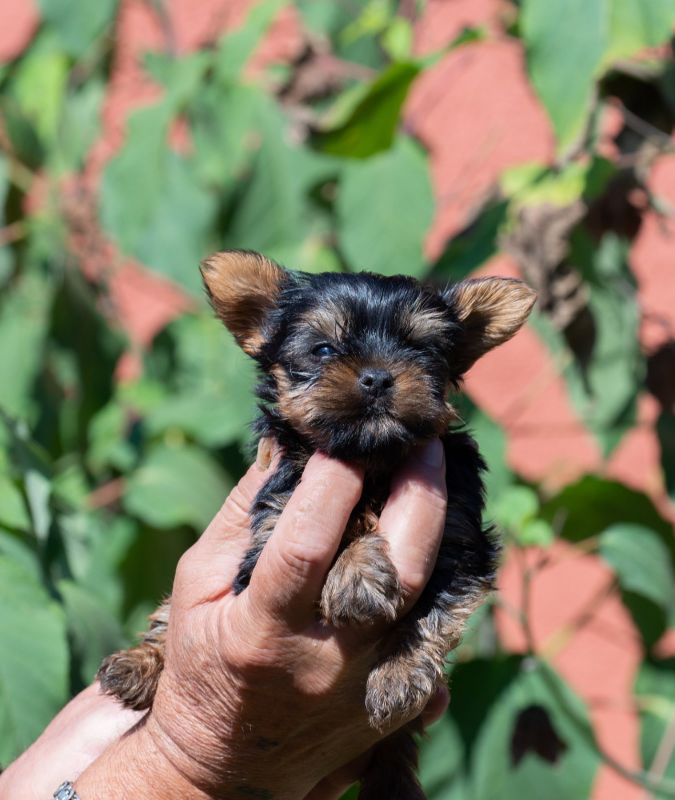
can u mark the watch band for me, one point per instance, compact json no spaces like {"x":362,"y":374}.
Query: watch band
{"x":66,"y":791}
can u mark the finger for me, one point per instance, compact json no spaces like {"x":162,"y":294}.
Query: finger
{"x":206,"y":571}
{"x":336,"y":784}
{"x":75,"y":738}
{"x":288,"y":577}
{"x":413,"y":518}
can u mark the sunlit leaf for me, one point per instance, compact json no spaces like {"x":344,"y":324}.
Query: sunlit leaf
{"x":371,"y":125}
{"x":78,"y":22}
{"x":635,"y":25}
{"x":39,"y":87}
{"x":640,"y":560}
{"x":565,"y":41}
{"x":385,"y":207}
{"x":237,"y":47}
{"x":655,"y":693}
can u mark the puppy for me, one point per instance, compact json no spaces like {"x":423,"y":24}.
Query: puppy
{"x":360,"y":366}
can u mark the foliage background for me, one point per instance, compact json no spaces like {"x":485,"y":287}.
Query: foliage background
{"x":314,"y":131}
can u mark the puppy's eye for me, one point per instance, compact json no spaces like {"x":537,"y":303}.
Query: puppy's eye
{"x":324,"y":350}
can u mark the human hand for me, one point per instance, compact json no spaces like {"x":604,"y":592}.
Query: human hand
{"x":75,"y":738}
{"x":258,"y":699}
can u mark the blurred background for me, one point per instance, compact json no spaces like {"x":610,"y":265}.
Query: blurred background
{"x":438,"y":139}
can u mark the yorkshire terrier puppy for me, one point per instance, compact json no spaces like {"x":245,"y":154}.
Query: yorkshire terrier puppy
{"x":360,"y":366}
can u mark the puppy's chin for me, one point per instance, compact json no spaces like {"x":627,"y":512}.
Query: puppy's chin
{"x":376,"y":440}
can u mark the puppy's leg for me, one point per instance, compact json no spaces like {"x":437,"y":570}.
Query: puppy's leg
{"x":406,"y":677}
{"x":391,"y":773}
{"x":132,"y":675}
{"x":362,"y":586}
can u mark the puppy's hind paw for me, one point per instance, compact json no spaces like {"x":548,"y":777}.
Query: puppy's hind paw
{"x":132,"y":675}
{"x":396,"y":689}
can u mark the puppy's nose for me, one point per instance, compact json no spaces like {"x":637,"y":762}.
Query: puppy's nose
{"x":375,"y":382}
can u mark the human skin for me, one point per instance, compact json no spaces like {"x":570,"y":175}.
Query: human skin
{"x":258,"y":699}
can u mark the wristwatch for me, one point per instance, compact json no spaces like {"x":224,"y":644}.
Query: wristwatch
{"x":66,"y":791}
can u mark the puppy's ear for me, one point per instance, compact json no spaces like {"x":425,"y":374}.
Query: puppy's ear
{"x":243,"y":287}
{"x":490,"y":311}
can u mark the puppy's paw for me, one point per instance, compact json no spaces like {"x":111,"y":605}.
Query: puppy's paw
{"x":132,"y":675}
{"x":399,"y":687}
{"x":362,"y":587}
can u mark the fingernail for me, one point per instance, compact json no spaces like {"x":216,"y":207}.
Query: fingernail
{"x":432,"y":454}
{"x":263,"y":457}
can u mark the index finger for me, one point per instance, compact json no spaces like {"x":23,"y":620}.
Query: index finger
{"x":289,"y":575}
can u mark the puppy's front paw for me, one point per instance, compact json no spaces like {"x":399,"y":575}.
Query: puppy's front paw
{"x":362,"y":587}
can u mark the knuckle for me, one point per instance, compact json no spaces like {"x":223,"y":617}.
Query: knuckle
{"x":301,"y":558}
{"x":184,"y":571}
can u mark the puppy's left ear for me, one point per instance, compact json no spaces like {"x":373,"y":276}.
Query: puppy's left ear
{"x":243,"y":287}
{"x":490,"y":311}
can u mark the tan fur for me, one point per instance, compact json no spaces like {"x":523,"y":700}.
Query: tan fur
{"x":328,"y":321}
{"x":133,"y":675}
{"x":242,"y":286}
{"x":362,"y":587}
{"x":492,"y":310}
{"x":422,"y":323}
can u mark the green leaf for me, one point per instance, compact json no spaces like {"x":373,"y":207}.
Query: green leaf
{"x":440,"y":757}
{"x":34,"y":663}
{"x":592,"y":504}
{"x":655,"y":693}
{"x":13,"y":512}
{"x":275,"y":212}
{"x":78,"y":127}
{"x":78,"y":22}
{"x":371,"y":125}
{"x":565,"y":41}
{"x":176,"y":486}
{"x":93,"y":629}
{"x":517,"y":510}
{"x":144,"y":221}
{"x":536,"y":733}
{"x":168,"y":247}
{"x":385,"y":207}
{"x":236,"y":48}
{"x":635,"y":25}
{"x":39,"y":87}
{"x":603,"y":381}
{"x":492,"y":445}
{"x":24,"y":316}
{"x":474,"y":245}
{"x":213,"y":398}
{"x":640,"y":560}
{"x":516,"y":505}
{"x":224,"y":143}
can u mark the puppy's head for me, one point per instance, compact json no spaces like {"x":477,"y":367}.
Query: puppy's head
{"x":361,"y":364}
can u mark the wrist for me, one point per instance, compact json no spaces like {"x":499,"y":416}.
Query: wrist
{"x":137,"y":766}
